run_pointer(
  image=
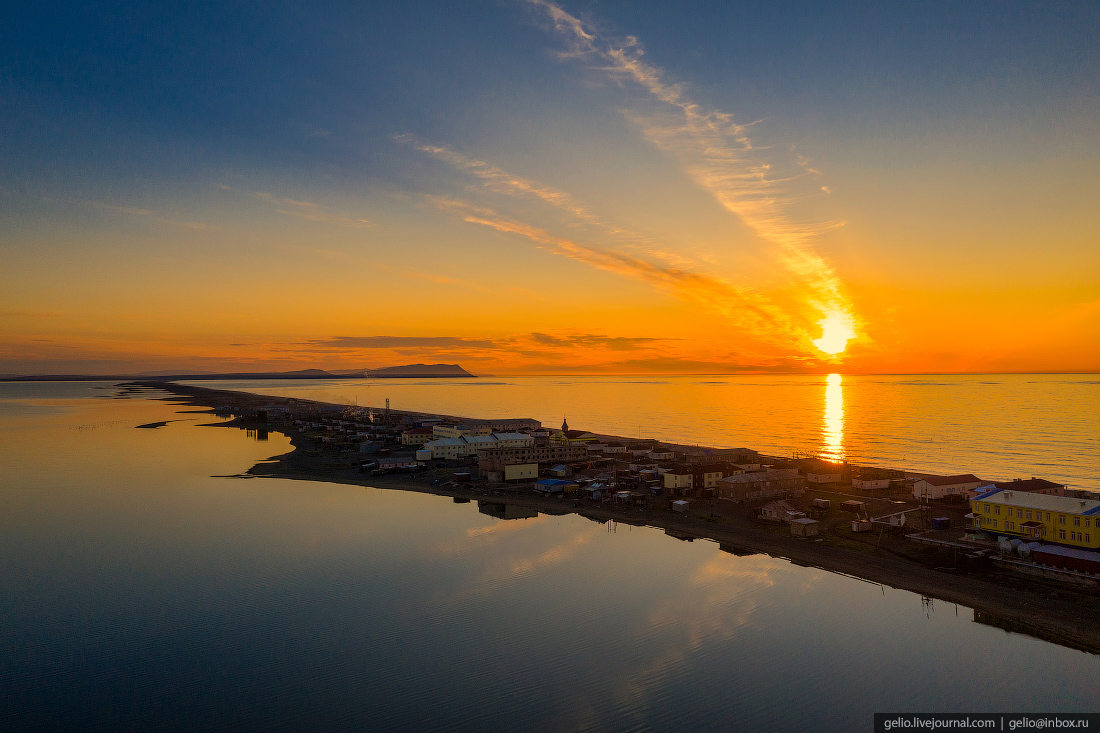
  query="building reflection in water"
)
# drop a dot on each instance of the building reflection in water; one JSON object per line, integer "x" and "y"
{"x": 833, "y": 428}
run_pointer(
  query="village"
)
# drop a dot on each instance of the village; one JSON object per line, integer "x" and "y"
{"x": 1031, "y": 526}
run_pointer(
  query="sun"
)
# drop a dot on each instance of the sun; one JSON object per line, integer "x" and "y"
{"x": 836, "y": 331}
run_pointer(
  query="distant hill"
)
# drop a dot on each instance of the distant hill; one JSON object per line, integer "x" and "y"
{"x": 397, "y": 372}
{"x": 420, "y": 370}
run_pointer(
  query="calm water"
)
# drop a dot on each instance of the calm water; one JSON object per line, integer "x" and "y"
{"x": 140, "y": 592}
{"x": 995, "y": 426}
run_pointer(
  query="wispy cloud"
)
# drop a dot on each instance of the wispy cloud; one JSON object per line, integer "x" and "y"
{"x": 153, "y": 216}
{"x": 614, "y": 343}
{"x": 741, "y": 305}
{"x": 311, "y": 211}
{"x": 719, "y": 155}
{"x": 391, "y": 342}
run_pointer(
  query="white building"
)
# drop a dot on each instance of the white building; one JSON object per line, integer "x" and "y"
{"x": 448, "y": 448}
{"x": 512, "y": 440}
{"x": 937, "y": 487}
{"x": 870, "y": 483}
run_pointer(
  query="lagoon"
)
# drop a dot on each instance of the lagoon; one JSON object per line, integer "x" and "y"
{"x": 140, "y": 588}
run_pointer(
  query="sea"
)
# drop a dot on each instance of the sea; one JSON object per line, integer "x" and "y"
{"x": 995, "y": 426}
{"x": 146, "y": 585}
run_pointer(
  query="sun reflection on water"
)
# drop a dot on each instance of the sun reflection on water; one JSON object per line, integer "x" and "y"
{"x": 833, "y": 428}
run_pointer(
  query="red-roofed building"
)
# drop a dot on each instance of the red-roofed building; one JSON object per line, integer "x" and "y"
{"x": 416, "y": 436}
{"x": 938, "y": 487}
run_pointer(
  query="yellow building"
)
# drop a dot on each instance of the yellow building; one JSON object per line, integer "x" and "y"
{"x": 1061, "y": 520}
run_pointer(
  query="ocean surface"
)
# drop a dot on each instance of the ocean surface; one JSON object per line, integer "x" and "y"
{"x": 996, "y": 426}
{"x": 142, "y": 587}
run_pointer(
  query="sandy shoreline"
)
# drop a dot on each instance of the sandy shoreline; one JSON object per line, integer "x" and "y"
{"x": 1048, "y": 610}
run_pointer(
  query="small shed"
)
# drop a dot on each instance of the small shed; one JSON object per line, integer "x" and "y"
{"x": 561, "y": 471}
{"x": 680, "y": 506}
{"x": 822, "y": 503}
{"x": 852, "y": 506}
{"x": 463, "y": 476}
{"x": 941, "y": 522}
{"x": 861, "y": 525}
{"x": 805, "y": 527}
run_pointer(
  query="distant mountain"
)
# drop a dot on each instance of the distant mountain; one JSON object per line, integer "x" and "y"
{"x": 420, "y": 370}
{"x": 397, "y": 372}
{"x": 173, "y": 373}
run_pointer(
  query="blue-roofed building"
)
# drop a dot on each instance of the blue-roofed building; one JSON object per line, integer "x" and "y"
{"x": 1060, "y": 520}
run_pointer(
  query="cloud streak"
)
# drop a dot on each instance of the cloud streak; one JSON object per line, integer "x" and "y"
{"x": 742, "y": 306}
{"x": 719, "y": 155}
{"x": 153, "y": 216}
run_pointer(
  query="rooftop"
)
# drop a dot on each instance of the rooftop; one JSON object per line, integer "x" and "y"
{"x": 1044, "y": 502}
{"x": 1031, "y": 484}
{"x": 965, "y": 478}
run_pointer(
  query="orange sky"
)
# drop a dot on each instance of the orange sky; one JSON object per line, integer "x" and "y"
{"x": 640, "y": 224}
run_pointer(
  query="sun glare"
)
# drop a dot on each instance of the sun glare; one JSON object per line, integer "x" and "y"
{"x": 836, "y": 330}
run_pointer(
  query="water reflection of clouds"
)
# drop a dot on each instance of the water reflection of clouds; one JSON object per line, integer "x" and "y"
{"x": 720, "y": 600}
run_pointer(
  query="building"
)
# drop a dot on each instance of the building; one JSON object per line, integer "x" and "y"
{"x": 659, "y": 453}
{"x": 678, "y": 480}
{"x": 718, "y": 455}
{"x": 485, "y": 427}
{"x": 707, "y": 476}
{"x": 938, "y": 487}
{"x": 417, "y": 436}
{"x": 1060, "y": 520}
{"x": 521, "y": 472}
{"x": 869, "y": 484}
{"x": 461, "y": 430}
{"x": 448, "y": 448}
{"x": 555, "y": 486}
{"x": 1033, "y": 485}
{"x": 495, "y": 458}
{"x": 571, "y": 437}
{"x": 390, "y": 464}
{"x": 771, "y": 482}
{"x": 513, "y": 440}
{"x": 780, "y": 511}
{"x": 805, "y": 527}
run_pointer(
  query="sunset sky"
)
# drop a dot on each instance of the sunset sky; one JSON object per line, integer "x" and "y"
{"x": 519, "y": 186}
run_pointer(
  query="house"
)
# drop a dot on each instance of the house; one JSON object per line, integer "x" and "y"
{"x": 870, "y": 484}
{"x": 780, "y": 511}
{"x": 1061, "y": 520}
{"x": 658, "y": 453}
{"x": 805, "y": 527}
{"x": 678, "y": 481}
{"x": 1033, "y": 485}
{"x": 938, "y": 487}
{"x": 555, "y": 486}
{"x": 521, "y": 471}
{"x": 706, "y": 476}
{"x": 561, "y": 471}
{"x": 417, "y": 436}
{"x": 595, "y": 491}
{"x": 765, "y": 484}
